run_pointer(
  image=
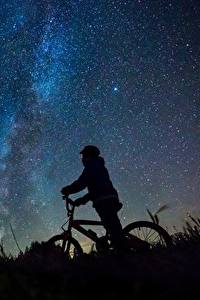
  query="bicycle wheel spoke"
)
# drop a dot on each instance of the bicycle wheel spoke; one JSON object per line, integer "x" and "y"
{"x": 149, "y": 233}
{"x": 63, "y": 245}
{"x": 146, "y": 230}
{"x": 154, "y": 238}
{"x": 161, "y": 240}
{"x": 68, "y": 248}
{"x": 154, "y": 232}
{"x": 143, "y": 234}
{"x": 138, "y": 229}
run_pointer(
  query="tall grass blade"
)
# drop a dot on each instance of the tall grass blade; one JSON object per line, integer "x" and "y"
{"x": 162, "y": 208}
{"x": 15, "y": 239}
{"x": 151, "y": 215}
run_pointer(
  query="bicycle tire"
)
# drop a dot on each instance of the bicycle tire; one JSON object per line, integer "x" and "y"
{"x": 139, "y": 227}
{"x": 69, "y": 245}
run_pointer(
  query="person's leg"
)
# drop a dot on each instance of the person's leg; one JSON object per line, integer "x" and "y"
{"x": 112, "y": 224}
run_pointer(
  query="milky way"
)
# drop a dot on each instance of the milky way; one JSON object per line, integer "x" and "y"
{"x": 123, "y": 75}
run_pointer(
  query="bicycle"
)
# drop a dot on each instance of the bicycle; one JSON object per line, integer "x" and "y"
{"x": 137, "y": 234}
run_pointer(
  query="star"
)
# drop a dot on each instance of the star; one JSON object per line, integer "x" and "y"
{"x": 122, "y": 75}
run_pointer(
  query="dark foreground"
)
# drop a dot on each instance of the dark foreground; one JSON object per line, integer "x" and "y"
{"x": 157, "y": 274}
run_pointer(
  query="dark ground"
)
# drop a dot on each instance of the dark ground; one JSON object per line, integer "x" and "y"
{"x": 169, "y": 273}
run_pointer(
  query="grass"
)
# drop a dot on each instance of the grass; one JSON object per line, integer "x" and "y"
{"x": 161, "y": 273}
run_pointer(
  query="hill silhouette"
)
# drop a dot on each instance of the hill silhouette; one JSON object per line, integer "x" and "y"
{"x": 43, "y": 272}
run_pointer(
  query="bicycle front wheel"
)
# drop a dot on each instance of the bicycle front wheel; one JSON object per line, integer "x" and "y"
{"x": 69, "y": 246}
{"x": 150, "y": 233}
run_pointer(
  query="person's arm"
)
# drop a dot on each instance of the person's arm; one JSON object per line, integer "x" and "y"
{"x": 82, "y": 200}
{"x": 77, "y": 186}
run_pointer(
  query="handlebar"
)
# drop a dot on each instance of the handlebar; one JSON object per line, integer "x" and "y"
{"x": 68, "y": 202}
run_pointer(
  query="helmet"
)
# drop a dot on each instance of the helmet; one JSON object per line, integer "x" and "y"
{"x": 90, "y": 150}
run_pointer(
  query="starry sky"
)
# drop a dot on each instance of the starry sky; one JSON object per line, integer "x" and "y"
{"x": 123, "y": 75}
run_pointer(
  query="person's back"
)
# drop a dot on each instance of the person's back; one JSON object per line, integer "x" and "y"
{"x": 98, "y": 182}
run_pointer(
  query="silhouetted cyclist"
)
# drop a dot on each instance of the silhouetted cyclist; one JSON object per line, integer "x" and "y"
{"x": 101, "y": 192}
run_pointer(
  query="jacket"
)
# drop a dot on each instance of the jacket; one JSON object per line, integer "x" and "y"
{"x": 96, "y": 179}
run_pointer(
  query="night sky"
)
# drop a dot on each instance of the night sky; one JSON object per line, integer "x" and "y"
{"x": 122, "y": 75}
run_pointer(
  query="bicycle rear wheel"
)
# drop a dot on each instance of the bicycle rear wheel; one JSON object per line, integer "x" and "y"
{"x": 69, "y": 245}
{"x": 150, "y": 233}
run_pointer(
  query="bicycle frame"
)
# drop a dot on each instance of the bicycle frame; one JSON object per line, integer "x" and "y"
{"x": 76, "y": 224}
{"x": 134, "y": 240}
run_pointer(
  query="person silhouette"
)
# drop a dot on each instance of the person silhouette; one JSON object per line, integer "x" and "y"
{"x": 101, "y": 192}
